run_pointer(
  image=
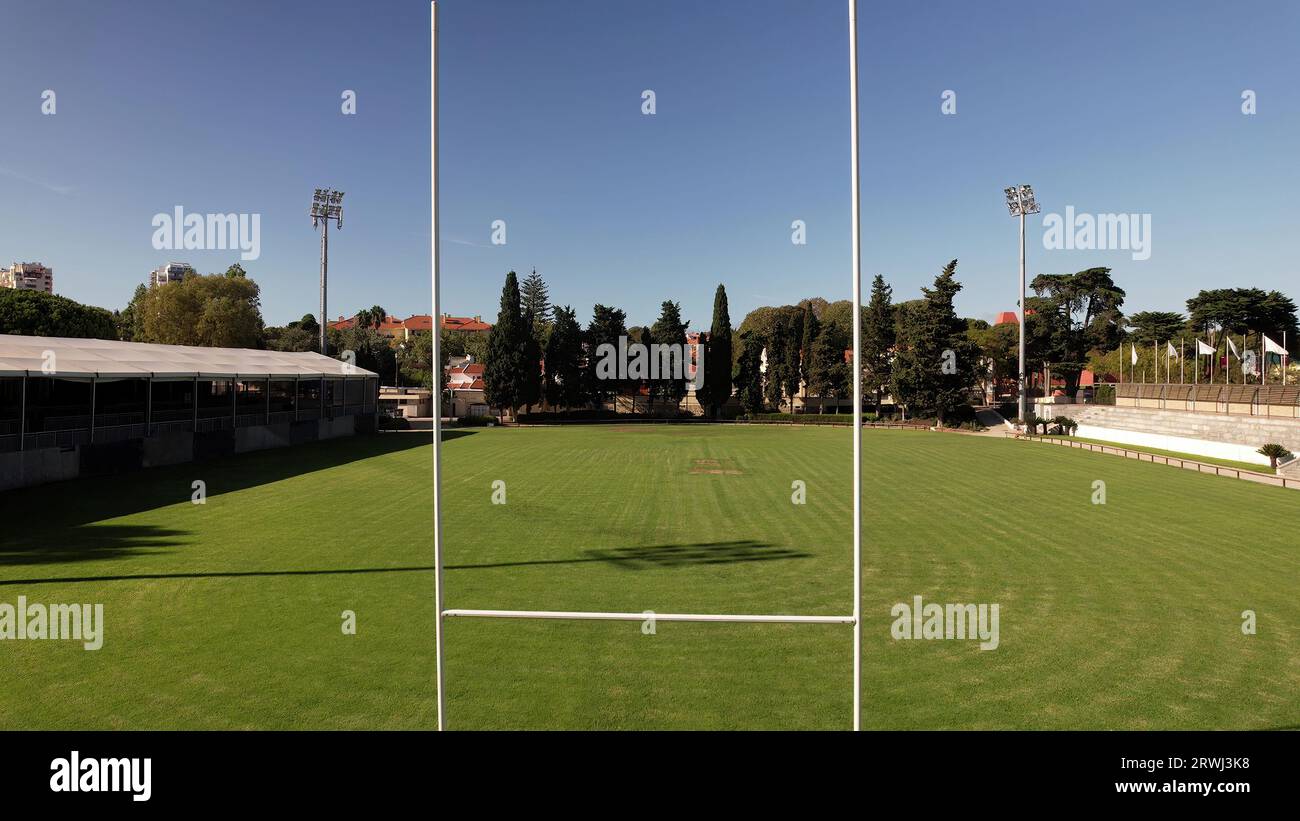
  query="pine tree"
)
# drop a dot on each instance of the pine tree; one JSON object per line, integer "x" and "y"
{"x": 535, "y": 298}
{"x": 506, "y": 364}
{"x": 936, "y": 364}
{"x": 716, "y": 386}
{"x": 878, "y": 338}
{"x": 669, "y": 329}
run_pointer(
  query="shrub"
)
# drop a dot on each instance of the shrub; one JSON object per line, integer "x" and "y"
{"x": 394, "y": 423}
{"x": 1064, "y": 425}
{"x": 1274, "y": 452}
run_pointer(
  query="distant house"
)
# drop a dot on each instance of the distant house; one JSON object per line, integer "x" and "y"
{"x": 466, "y": 324}
{"x": 391, "y": 326}
{"x": 465, "y": 385}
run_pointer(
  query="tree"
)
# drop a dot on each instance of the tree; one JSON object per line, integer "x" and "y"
{"x": 747, "y": 375}
{"x": 829, "y": 375}
{"x": 1274, "y": 452}
{"x": 777, "y": 363}
{"x": 370, "y": 349}
{"x": 1155, "y": 326}
{"x": 530, "y": 385}
{"x": 535, "y": 297}
{"x": 811, "y": 328}
{"x": 935, "y": 366}
{"x": 301, "y": 335}
{"x": 669, "y": 329}
{"x": 564, "y": 378}
{"x": 507, "y": 367}
{"x": 126, "y": 319}
{"x": 36, "y": 313}
{"x": 415, "y": 359}
{"x": 607, "y": 325}
{"x": 999, "y": 350}
{"x": 372, "y": 317}
{"x": 1244, "y": 311}
{"x": 717, "y": 357}
{"x": 1087, "y": 308}
{"x": 211, "y": 311}
{"x": 792, "y": 329}
{"x": 236, "y": 271}
{"x": 878, "y": 336}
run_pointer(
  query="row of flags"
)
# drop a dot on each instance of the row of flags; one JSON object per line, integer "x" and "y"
{"x": 1248, "y": 365}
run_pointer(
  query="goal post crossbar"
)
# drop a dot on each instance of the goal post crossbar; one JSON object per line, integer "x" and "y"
{"x": 588, "y": 615}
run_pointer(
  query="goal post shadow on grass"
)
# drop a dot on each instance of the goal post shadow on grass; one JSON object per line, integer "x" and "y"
{"x": 854, "y": 619}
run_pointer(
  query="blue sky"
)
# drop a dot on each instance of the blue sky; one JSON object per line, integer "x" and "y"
{"x": 1110, "y": 107}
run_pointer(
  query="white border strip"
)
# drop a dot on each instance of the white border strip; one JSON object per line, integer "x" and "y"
{"x": 583, "y": 615}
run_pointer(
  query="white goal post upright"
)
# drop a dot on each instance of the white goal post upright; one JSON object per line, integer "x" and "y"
{"x": 855, "y": 619}
{"x": 857, "y": 368}
{"x": 437, "y": 358}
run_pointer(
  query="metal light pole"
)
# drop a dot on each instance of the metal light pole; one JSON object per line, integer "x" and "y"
{"x": 1020, "y": 202}
{"x": 326, "y": 205}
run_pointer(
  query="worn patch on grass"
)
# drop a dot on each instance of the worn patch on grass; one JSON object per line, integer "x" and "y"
{"x": 713, "y": 467}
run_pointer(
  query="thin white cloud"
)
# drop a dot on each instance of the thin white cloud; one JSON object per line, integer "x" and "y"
{"x": 61, "y": 190}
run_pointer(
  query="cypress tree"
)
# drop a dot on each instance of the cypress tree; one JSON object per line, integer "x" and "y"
{"x": 505, "y": 366}
{"x": 811, "y": 328}
{"x": 717, "y": 357}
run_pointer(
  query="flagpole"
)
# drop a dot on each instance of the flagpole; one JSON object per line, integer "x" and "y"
{"x": 1182, "y": 360}
{"x": 1285, "y": 357}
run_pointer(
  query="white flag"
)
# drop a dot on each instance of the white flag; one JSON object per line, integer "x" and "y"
{"x": 1204, "y": 350}
{"x": 1233, "y": 348}
{"x": 1272, "y": 347}
{"x": 1171, "y": 350}
{"x": 1135, "y": 353}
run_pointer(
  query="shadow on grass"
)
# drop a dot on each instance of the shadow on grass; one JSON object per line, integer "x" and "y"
{"x": 236, "y": 574}
{"x": 627, "y": 558}
{"x": 77, "y": 543}
{"x": 56, "y": 523}
{"x": 665, "y": 556}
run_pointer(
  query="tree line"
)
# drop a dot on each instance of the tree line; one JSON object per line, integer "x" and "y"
{"x": 538, "y": 352}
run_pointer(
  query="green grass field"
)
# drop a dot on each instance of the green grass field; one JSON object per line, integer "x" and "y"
{"x": 228, "y": 614}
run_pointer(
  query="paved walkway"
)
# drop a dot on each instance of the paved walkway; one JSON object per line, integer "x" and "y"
{"x": 991, "y": 419}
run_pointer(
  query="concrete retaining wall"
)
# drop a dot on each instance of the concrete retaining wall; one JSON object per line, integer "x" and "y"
{"x": 262, "y": 437}
{"x": 35, "y": 467}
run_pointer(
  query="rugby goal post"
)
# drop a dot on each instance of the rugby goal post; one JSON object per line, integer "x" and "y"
{"x": 854, "y": 619}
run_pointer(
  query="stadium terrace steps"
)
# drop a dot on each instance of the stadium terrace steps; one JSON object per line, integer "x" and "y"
{"x": 1221, "y": 435}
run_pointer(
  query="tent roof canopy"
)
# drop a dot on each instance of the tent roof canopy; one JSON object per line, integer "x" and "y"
{"x": 57, "y": 356}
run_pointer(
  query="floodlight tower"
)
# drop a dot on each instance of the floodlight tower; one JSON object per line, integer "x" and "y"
{"x": 326, "y": 205}
{"x": 1020, "y": 201}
